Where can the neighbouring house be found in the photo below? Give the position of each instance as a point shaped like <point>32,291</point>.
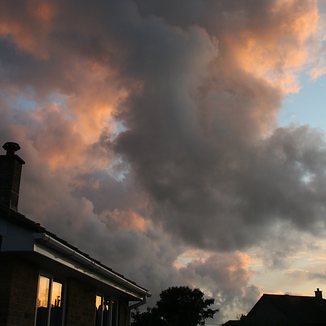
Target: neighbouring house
<point>286,310</point>
<point>46,281</point>
<point>232,323</point>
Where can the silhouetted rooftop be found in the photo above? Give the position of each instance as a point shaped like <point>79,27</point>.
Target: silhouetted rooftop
<point>300,309</point>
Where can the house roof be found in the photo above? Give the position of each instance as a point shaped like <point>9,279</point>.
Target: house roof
<point>300,309</point>
<point>232,323</point>
<point>45,238</point>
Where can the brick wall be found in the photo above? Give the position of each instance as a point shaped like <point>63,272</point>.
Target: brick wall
<point>80,304</point>
<point>123,313</point>
<point>18,295</point>
<point>5,281</point>
<point>18,291</point>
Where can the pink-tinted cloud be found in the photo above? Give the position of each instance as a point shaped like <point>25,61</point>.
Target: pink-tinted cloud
<point>27,25</point>
<point>226,278</point>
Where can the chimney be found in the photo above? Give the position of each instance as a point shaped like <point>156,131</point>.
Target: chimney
<point>10,172</point>
<point>318,294</point>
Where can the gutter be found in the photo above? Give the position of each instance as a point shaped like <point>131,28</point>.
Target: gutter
<point>75,255</point>
<point>134,306</point>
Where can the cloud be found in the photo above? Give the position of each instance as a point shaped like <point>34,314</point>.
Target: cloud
<point>149,130</point>
<point>258,37</point>
<point>226,278</point>
<point>27,26</point>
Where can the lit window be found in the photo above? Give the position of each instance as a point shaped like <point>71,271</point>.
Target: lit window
<point>99,311</point>
<point>106,311</point>
<point>49,302</point>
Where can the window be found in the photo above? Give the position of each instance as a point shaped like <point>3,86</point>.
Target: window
<point>49,302</point>
<point>106,311</point>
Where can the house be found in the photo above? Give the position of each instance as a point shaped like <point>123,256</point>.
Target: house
<point>281,310</point>
<point>232,323</point>
<point>46,281</point>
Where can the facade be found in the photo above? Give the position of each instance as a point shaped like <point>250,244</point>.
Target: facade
<point>46,281</point>
<point>286,310</point>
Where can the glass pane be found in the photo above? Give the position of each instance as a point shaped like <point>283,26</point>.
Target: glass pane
<point>99,309</point>
<point>114,312</point>
<point>56,304</point>
<point>106,312</point>
<point>43,301</point>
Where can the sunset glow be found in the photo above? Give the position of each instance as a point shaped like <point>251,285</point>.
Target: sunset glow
<point>178,142</point>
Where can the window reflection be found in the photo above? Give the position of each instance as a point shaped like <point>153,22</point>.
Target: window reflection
<point>42,301</point>
<point>106,311</point>
<point>99,310</point>
<point>54,312</point>
<point>56,306</point>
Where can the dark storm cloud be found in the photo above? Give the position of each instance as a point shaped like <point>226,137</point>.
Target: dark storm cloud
<point>200,140</point>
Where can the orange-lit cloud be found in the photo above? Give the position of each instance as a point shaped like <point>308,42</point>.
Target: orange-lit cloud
<point>27,25</point>
<point>130,220</point>
<point>274,50</point>
<point>190,256</point>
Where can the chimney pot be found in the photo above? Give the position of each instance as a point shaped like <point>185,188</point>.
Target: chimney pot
<point>11,148</point>
<point>318,294</point>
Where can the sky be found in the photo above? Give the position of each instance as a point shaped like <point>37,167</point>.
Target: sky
<point>178,142</point>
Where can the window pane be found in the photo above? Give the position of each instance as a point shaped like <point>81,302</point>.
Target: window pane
<point>42,301</point>
<point>99,310</point>
<point>106,312</point>
<point>114,312</point>
<point>56,304</point>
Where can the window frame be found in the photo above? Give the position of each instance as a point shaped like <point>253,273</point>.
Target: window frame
<point>52,279</point>
<point>110,299</point>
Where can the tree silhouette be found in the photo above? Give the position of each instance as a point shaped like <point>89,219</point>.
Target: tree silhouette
<point>178,306</point>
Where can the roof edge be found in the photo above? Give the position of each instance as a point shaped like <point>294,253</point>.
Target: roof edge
<point>92,264</point>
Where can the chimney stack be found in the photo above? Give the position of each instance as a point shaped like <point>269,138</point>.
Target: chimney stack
<point>318,294</point>
<point>10,172</point>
